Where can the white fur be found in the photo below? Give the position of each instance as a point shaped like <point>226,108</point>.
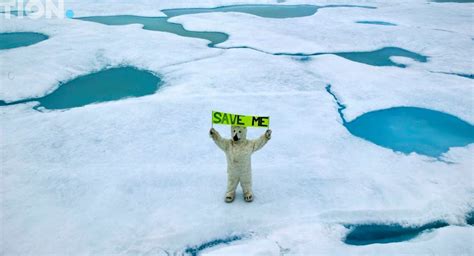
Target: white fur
<point>238,154</point>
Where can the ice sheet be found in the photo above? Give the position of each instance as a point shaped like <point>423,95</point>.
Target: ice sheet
<point>429,29</point>
<point>140,176</point>
<point>77,48</point>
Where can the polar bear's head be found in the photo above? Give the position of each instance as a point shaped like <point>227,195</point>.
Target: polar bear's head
<point>239,133</point>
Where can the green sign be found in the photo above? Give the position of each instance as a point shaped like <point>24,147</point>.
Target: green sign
<point>240,120</point>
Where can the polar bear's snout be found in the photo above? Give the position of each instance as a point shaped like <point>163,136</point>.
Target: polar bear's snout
<point>238,133</point>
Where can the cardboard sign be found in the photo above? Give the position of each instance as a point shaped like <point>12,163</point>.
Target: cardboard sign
<point>240,120</point>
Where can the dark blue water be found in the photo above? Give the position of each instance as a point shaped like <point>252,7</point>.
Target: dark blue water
<point>195,250</point>
<point>383,23</point>
<point>365,234</point>
<point>470,218</point>
<point>20,39</point>
<point>106,85</point>
<point>410,129</point>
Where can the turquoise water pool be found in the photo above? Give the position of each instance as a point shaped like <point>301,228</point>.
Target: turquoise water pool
<point>261,10</point>
<point>470,218</point>
<point>410,129</point>
<point>20,39</point>
<point>162,23</point>
<point>106,85</point>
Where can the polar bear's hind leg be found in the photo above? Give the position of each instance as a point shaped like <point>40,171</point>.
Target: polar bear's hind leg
<point>232,183</point>
<point>246,183</point>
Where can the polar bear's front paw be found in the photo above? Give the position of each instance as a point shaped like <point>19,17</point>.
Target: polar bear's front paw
<point>268,134</point>
<point>212,132</point>
<point>229,197</point>
<point>248,197</point>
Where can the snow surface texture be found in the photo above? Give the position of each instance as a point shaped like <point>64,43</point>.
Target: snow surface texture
<point>140,176</point>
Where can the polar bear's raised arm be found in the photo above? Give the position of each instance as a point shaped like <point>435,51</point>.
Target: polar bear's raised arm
<point>260,142</point>
<point>220,142</point>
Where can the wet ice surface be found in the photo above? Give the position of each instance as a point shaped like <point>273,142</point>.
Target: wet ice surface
<point>141,176</point>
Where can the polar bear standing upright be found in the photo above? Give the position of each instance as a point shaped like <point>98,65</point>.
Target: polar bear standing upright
<point>238,151</point>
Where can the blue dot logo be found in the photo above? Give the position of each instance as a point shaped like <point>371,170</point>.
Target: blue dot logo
<point>70,14</point>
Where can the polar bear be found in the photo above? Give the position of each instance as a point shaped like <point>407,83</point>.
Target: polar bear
<point>238,151</point>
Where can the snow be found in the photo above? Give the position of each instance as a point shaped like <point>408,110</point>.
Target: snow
<point>140,176</point>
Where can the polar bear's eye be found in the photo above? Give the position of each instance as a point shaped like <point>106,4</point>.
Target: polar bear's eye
<point>240,131</point>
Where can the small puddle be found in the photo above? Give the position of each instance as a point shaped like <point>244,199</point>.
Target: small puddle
<point>382,56</point>
<point>373,22</point>
<point>106,85</point>
<point>470,76</point>
<point>20,39</point>
<point>365,234</point>
<point>195,250</point>
<point>410,129</point>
